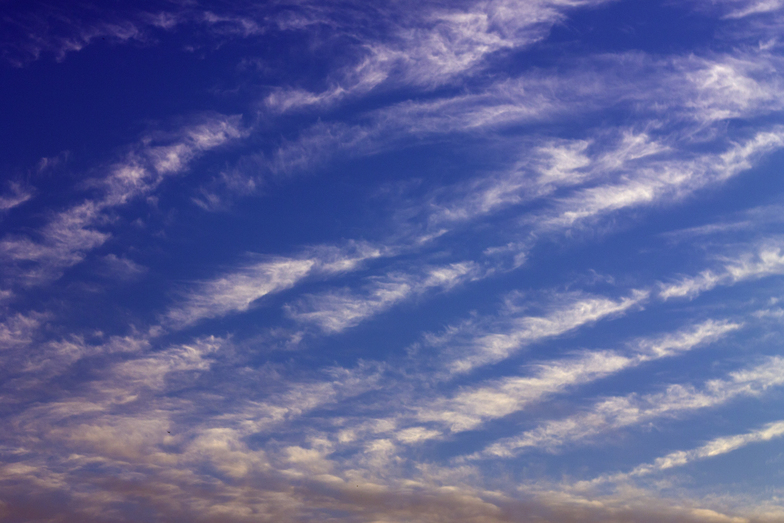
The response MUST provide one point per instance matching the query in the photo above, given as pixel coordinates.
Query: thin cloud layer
(235, 291)
(69, 234)
(497, 261)
(618, 412)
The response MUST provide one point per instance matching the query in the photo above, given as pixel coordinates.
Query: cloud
(678, 103)
(546, 167)
(15, 196)
(122, 268)
(697, 91)
(158, 447)
(18, 329)
(335, 311)
(474, 405)
(713, 448)
(292, 399)
(659, 161)
(151, 371)
(236, 496)
(744, 8)
(67, 237)
(766, 261)
(36, 30)
(433, 411)
(37, 359)
(138, 418)
(47, 29)
(473, 348)
(627, 411)
(763, 219)
(660, 181)
(237, 290)
(432, 48)
(151, 424)
(554, 165)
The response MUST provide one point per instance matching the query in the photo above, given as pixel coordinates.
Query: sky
(392, 261)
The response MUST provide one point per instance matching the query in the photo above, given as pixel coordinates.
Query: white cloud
(70, 234)
(546, 168)
(237, 290)
(487, 346)
(432, 48)
(15, 196)
(659, 161)
(497, 398)
(626, 411)
(713, 448)
(56, 31)
(475, 405)
(660, 181)
(66, 239)
(699, 91)
(733, 87)
(121, 268)
(41, 30)
(39, 363)
(767, 260)
(761, 219)
(258, 442)
(18, 330)
(744, 8)
(336, 311)
(151, 371)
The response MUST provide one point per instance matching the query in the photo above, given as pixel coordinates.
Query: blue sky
(471, 261)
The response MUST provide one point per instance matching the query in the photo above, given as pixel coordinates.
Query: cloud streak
(494, 179)
(237, 290)
(766, 261)
(490, 346)
(335, 311)
(69, 235)
(626, 411)
(475, 405)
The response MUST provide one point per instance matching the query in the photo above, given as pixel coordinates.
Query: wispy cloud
(766, 261)
(433, 48)
(336, 311)
(18, 329)
(744, 8)
(70, 234)
(14, 196)
(659, 162)
(48, 29)
(420, 414)
(237, 290)
(628, 411)
(485, 157)
(469, 346)
(713, 448)
(120, 268)
(554, 165)
(151, 371)
(42, 29)
(477, 404)
(661, 182)
(546, 168)
(761, 220)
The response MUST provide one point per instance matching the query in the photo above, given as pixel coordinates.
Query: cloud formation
(412, 261)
